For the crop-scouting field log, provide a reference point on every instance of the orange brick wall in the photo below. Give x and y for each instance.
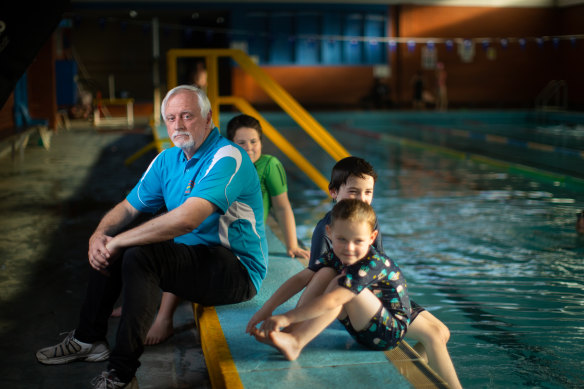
(513, 78)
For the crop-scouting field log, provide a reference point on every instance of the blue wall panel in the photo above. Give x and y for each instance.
(316, 35)
(331, 48)
(353, 49)
(281, 39)
(307, 44)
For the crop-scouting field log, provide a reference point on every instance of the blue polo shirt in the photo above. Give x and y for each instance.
(222, 173)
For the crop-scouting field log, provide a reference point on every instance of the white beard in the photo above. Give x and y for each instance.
(186, 144)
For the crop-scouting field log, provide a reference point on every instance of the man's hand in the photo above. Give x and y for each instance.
(98, 254)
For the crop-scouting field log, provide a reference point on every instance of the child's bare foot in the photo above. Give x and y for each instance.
(161, 330)
(117, 312)
(262, 337)
(286, 344)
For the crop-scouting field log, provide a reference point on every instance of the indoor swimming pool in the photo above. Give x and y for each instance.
(494, 255)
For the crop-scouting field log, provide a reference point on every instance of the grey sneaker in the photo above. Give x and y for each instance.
(70, 349)
(109, 380)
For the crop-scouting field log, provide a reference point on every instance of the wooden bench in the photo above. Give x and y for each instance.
(25, 127)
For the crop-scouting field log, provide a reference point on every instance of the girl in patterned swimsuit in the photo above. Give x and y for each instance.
(368, 293)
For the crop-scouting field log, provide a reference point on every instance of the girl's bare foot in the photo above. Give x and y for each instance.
(286, 344)
(161, 330)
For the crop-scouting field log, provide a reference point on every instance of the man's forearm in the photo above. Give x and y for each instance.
(116, 219)
(159, 229)
(179, 221)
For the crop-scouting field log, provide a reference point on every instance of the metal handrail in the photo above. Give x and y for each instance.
(556, 90)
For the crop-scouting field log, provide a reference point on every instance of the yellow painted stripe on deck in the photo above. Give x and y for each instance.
(220, 365)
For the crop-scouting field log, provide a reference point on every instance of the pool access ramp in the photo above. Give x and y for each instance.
(333, 359)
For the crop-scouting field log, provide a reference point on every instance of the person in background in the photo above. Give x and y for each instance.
(418, 91)
(580, 223)
(246, 131)
(209, 247)
(441, 91)
(200, 76)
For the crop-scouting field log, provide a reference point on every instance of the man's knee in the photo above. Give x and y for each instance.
(136, 259)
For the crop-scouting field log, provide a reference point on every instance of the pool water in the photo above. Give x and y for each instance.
(493, 255)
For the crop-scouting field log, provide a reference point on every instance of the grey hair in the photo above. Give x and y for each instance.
(204, 102)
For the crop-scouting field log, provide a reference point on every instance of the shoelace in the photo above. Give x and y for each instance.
(105, 381)
(70, 336)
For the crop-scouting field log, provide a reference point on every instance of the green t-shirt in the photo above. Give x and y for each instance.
(272, 179)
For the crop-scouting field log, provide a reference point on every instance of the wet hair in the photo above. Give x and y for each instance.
(204, 103)
(350, 166)
(243, 120)
(355, 211)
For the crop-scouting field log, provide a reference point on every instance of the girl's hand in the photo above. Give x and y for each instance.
(275, 323)
(258, 317)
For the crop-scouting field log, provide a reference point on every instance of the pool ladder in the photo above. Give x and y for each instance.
(553, 97)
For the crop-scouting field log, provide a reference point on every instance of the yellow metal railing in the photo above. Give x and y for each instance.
(275, 91)
(160, 143)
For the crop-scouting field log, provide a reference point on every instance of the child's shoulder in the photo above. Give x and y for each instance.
(379, 256)
(326, 219)
(268, 159)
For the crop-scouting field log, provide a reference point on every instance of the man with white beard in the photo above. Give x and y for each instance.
(209, 247)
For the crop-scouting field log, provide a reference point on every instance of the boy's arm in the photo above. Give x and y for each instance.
(337, 297)
(288, 289)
